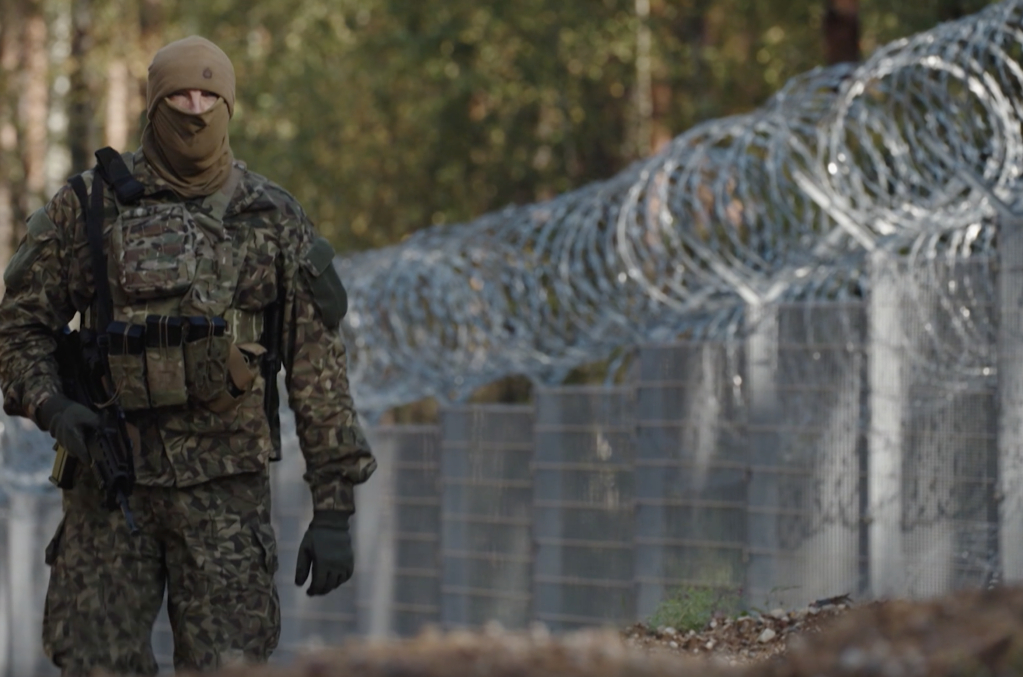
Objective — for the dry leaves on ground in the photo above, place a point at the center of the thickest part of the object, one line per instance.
(970, 634)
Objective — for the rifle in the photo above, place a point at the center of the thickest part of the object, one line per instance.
(81, 363)
(82, 355)
(271, 340)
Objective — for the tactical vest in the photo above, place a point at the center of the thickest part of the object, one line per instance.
(176, 339)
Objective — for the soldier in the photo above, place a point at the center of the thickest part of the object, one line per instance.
(194, 261)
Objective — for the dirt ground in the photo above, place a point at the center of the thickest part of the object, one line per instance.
(964, 635)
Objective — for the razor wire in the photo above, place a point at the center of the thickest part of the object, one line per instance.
(781, 203)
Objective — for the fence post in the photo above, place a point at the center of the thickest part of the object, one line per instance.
(375, 538)
(487, 501)
(1010, 400)
(888, 394)
(548, 510)
(762, 531)
(654, 453)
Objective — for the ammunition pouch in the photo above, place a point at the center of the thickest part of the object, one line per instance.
(205, 356)
(126, 355)
(165, 366)
(171, 361)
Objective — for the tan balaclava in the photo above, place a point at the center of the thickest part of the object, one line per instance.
(189, 150)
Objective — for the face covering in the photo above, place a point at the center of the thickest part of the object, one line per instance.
(189, 150)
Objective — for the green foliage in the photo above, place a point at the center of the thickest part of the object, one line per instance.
(692, 607)
(387, 116)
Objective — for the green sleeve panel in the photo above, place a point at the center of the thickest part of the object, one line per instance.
(328, 292)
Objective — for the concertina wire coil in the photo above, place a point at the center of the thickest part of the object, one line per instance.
(780, 204)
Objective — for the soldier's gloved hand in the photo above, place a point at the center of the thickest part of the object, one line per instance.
(327, 548)
(70, 423)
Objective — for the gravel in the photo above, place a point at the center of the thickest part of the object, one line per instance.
(970, 634)
(738, 641)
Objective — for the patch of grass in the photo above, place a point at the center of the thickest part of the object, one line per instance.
(692, 607)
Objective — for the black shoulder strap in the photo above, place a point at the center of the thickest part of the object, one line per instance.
(127, 187)
(78, 185)
(93, 209)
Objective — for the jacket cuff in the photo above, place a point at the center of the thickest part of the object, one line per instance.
(336, 495)
(32, 401)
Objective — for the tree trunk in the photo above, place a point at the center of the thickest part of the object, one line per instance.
(842, 31)
(33, 110)
(119, 90)
(81, 130)
(644, 105)
(661, 91)
(152, 22)
(10, 168)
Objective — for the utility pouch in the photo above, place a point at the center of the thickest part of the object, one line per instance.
(127, 359)
(157, 248)
(207, 347)
(243, 365)
(165, 361)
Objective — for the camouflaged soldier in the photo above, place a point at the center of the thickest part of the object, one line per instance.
(193, 265)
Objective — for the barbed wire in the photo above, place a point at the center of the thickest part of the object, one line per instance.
(782, 203)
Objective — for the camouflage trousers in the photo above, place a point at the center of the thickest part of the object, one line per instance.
(210, 547)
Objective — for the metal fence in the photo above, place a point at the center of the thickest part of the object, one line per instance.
(583, 507)
(833, 450)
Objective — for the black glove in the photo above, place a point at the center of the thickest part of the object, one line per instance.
(70, 423)
(327, 548)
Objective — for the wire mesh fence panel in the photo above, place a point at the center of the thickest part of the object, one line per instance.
(690, 470)
(487, 498)
(934, 400)
(415, 502)
(807, 456)
(583, 511)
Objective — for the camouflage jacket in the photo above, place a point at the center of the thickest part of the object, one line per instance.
(50, 279)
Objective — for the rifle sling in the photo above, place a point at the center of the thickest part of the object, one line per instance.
(93, 208)
(116, 172)
(94, 232)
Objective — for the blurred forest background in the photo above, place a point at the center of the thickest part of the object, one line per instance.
(386, 116)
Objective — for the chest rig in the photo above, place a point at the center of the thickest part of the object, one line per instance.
(172, 268)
